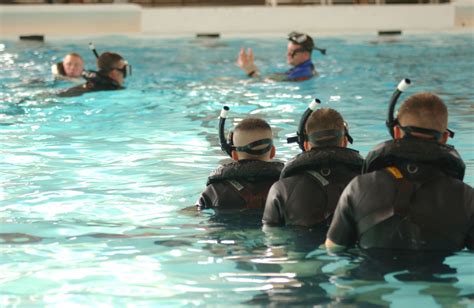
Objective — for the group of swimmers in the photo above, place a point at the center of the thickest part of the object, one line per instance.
(112, 68)
(408, 193)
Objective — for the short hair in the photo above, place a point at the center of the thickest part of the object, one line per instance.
(76, 55)
(252, 124)
(250, 130)
(427, 111)
(108, 60)
(325, 119)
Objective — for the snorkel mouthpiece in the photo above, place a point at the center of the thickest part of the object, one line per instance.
(391, 121)
(92, 47)
(299, 138)
(225, 146)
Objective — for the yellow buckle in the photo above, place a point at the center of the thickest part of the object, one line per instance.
(395, 172)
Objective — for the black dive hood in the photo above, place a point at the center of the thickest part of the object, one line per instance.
(225, 145)
(301, 137)
(393, 121)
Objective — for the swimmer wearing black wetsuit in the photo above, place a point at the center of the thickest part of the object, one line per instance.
(311, 183)
(244, 183)
(110, 76)
(412, 195)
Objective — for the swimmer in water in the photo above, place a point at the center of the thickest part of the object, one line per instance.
(412, 195)
(244, 183)
(71, 68)
(111, 74)
(299, 50)
(311, 183)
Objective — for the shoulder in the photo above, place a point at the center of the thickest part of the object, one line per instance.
(246, 169)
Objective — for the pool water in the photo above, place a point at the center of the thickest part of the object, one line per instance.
(95, 190)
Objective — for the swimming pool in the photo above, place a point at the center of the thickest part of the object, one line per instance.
(95, 189)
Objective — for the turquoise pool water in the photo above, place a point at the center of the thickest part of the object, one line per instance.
(94, 189)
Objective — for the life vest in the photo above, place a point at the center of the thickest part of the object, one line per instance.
(410, 164)
(323, 159)
(416, 151)
(57, 69)
(251, 179)
(59, 73)
(331, 168)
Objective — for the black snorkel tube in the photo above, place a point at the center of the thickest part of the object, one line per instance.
(225, 145)
(92, 47)
(300, 134)
(392, 121)
(321, 50)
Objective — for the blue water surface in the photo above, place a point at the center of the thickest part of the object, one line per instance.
(95, 189)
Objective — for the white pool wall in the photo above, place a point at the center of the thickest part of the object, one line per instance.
(310, 19)
(97, 19)
(70, 19)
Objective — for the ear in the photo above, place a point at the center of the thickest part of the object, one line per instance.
(397, 132)
(272, 152)
(345, 142)
(444, 138)
(307, 146)
(234, 155)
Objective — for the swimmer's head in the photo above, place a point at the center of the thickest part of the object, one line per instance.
(252, 139)
(73, 65)
(426, 111)
(325, 127)
(300, 47)
(112, 65)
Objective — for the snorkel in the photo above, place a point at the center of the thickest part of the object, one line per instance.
(393, 121)
(300, 134)
(321, 50)
(225, 146)
(92, 47)
(229, 147)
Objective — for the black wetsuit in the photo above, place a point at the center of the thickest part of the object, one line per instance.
(414, 199)
(310, 186)
(96, 81)
(240, 185)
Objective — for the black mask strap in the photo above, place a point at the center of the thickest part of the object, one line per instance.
(408, 130)
(249, 147)
(335, 134)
